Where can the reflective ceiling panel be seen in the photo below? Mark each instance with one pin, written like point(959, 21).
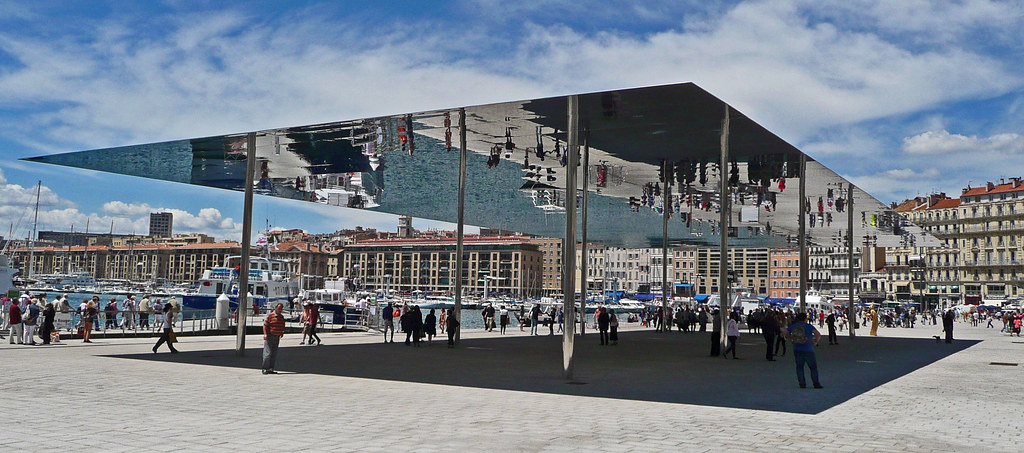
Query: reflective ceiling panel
point(408, 164)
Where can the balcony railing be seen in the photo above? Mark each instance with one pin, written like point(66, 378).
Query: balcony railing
point(980, 263)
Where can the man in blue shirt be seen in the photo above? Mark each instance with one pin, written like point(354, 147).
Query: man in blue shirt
point(804, 338)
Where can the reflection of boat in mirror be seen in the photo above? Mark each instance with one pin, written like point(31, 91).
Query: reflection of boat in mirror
point(743, 298)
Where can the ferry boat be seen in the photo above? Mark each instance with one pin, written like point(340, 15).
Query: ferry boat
point(270, 282)
point(69, 283)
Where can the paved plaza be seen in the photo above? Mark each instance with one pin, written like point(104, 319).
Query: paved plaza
point(901, 391)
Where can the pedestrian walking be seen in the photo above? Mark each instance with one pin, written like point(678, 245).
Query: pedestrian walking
point(522, 316)
point(804, 338)
point(312, 315)
point(732, 333)
point(167, 331)
point(273, 330)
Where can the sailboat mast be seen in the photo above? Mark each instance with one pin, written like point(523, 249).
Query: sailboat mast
point(35, 223)
point(67, 260)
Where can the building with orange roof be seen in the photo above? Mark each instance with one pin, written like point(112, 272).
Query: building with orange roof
point(982, 258)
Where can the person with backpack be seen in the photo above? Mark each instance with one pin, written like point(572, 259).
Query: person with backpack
point(804, 337)
point(28, 320)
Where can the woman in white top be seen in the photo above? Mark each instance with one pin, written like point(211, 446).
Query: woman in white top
point(732, 331)
point(503, 316)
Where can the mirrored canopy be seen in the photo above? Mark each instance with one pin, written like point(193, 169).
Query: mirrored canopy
point(648, 148)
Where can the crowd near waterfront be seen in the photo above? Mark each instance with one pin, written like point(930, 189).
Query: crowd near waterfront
point(32, 320)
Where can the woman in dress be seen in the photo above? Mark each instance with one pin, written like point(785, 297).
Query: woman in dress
point(88, 317)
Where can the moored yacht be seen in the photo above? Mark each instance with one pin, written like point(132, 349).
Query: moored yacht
point(270, 282)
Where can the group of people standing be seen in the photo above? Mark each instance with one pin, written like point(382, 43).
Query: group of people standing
point(25, 316)
point(416, 326)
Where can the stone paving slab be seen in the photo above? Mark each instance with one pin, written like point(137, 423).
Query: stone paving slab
point(356, 394)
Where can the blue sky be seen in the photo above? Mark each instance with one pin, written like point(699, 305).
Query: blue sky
point(904, 98)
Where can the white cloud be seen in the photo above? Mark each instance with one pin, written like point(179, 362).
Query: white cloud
point(893, 184)
point(812, 71)
point(120, 208)
point(944, 142)
point(17, 209)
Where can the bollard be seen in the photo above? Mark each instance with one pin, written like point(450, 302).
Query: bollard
point(223, 310)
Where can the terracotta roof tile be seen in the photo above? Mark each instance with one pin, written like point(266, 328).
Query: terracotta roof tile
point(998, 188)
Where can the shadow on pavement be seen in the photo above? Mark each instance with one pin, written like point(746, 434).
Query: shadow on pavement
point(645, 365)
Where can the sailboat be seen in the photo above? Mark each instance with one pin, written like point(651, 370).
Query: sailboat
point(7, 269)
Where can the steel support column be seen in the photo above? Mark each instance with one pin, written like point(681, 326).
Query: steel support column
point(583, 229)
point(664, 242)
point(569, 246)
point(803, 234)
point(724, 301)
point(851, 317)
point(243, 277)
point(460, 229)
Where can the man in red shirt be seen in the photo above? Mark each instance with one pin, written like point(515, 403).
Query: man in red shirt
point(14, 319)
point(273, 330)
